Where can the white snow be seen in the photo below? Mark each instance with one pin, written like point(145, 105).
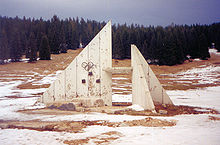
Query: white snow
point(190, 130)
point(121, 98)
point(10, 106)
point(119, 88)
point(49, 78)
point(207, 97)
point(6, 88)
point(204, 75)
point(36, 105)
point(214, 51)
point(28, 137)
point(119, 78)
point(136, 107)
point(10, 89)
point(197, 59)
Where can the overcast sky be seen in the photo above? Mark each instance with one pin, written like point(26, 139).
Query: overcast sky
point(146, 12)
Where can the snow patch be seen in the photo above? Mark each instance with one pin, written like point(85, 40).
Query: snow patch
point(197, 59)
point(36, 105)
point(49, 79)
point(204, 75)
point(7, 88)
point(121, 98)
point(9, 108)
point(136, 107)
point(214, 51)
point(120, 78)
point(207, 97)
point(190, 129)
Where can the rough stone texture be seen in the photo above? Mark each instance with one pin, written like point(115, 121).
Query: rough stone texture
point(66, 107)
point(52, 107)
point(87, 102)
point(99, 103)
point(162, 112)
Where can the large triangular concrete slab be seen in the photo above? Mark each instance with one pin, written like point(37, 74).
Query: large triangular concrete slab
point(84, 77)
point(146, 88)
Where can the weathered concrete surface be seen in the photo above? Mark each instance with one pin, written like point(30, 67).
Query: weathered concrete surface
point(119, 70)
point(88, 102)
point(146, 88)
point(84, 77)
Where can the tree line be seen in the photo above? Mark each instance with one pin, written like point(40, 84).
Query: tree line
point(160, 45)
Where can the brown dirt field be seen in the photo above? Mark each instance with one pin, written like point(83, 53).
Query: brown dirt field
point(27, 71)
point(171, 110)
point(18, 70)
point(58, 62)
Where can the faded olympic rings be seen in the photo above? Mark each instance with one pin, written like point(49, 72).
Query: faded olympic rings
point(87, 66)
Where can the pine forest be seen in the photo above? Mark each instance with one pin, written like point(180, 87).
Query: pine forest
point(169, 45)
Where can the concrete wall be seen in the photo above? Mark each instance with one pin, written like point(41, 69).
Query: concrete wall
point(85, 77)
point(140, 90)
point(144, 79)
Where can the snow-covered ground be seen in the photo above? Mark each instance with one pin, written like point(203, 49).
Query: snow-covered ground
point(190, 129)
point(206, 97)
point(48, 79)
point(9, 87)
point(203, 74)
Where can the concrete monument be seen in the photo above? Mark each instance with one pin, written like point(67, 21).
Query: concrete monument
point(88, 78)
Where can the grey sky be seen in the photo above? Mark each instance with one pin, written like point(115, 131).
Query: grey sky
point(146, 12)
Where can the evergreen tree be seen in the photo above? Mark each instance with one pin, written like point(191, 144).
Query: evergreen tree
point(118, 47)
point(15, 46)
point(4, 51)
point(203, 47)
point(63, 48)
point(169, 44)
point(44, 51)
point(32, 48)
point(63, 45)
point(53, 35)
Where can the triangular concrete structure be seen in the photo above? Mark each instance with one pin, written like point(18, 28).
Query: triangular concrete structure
point(84, 77)
point(146, 88)
point(88, 78)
